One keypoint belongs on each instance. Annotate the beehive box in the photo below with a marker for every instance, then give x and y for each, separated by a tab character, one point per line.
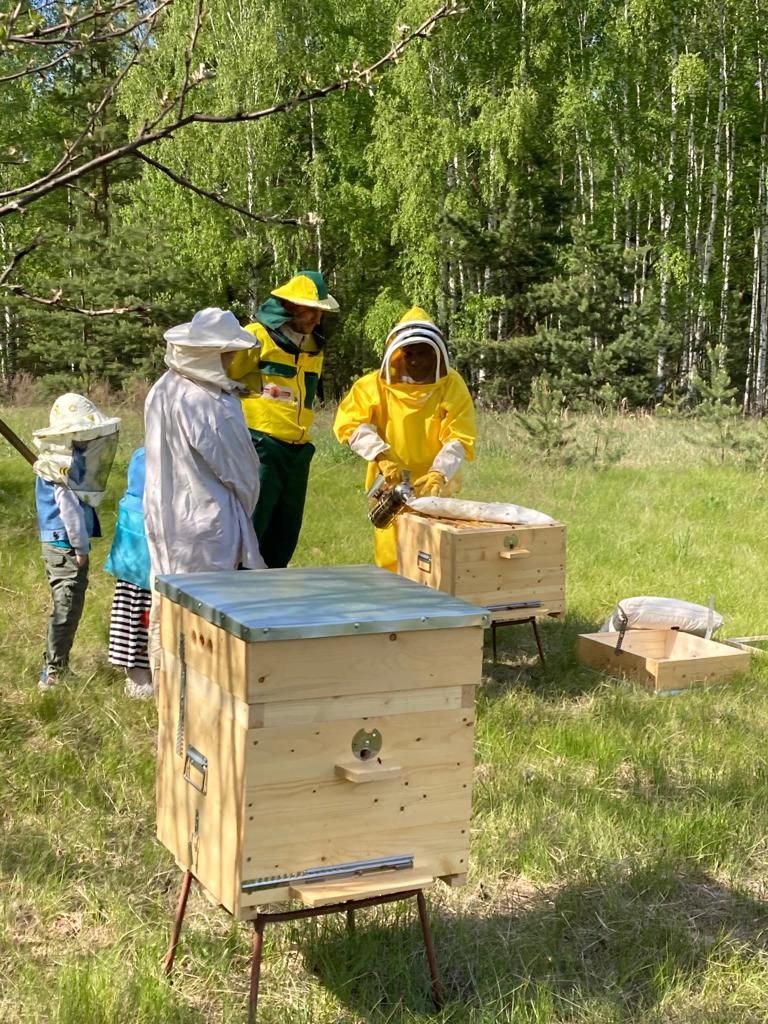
662	660
486	564
310	719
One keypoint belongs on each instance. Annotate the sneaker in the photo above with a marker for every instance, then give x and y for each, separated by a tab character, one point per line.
139	691
49	678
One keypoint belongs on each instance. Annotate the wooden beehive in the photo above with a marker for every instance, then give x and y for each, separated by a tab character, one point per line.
513	571
662	660
268	681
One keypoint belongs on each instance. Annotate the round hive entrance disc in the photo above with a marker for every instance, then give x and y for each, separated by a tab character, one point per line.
366	745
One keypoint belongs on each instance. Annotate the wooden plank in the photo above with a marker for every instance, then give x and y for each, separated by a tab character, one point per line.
536	539
521	614
512	568
652	643
278	806
271	831
317	894
375	663
309	752
218	812
361	773
396	702
686	645
210	650
454	881
679	674
592	651
425	552
440	850
219	702
552	599
440	864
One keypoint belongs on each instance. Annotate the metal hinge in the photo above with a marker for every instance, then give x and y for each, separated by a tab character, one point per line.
182	696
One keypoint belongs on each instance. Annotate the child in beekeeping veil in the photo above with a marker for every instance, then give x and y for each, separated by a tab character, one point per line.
75	454
413	413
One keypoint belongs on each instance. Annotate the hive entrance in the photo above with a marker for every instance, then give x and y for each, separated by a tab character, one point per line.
366	745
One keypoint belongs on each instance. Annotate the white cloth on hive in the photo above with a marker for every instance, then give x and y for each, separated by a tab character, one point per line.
480	511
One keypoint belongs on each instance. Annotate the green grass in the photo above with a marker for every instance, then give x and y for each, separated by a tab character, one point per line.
620	841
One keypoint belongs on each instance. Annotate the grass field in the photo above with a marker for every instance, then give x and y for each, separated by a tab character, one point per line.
620	841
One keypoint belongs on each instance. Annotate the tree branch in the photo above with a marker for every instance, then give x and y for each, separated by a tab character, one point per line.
33	192
65	159
262	218
36	69
56	302
40	35
17	257
187	85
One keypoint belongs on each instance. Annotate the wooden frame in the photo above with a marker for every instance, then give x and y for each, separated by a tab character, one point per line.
662	660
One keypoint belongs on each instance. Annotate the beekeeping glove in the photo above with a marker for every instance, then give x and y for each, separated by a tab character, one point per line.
430	485
390	468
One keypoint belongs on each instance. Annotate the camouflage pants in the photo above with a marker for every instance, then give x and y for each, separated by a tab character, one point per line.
68	582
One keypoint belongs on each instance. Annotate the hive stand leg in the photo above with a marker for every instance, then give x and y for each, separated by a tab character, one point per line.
350	919
538	641
258	946
180	911
437	989
493	638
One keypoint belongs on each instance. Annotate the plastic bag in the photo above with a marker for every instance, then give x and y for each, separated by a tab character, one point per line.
480	511
661	613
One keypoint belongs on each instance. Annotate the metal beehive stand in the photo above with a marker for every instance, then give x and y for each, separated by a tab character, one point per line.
347	907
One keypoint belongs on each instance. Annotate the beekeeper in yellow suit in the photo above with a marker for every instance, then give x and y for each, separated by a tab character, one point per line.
413	413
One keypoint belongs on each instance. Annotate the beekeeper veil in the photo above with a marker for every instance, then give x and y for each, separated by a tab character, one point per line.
78	447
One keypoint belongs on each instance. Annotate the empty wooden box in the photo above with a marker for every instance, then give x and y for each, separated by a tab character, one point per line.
663	660
513	571
315	733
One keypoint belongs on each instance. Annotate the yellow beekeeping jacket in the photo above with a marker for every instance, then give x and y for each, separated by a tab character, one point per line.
282	385
415	420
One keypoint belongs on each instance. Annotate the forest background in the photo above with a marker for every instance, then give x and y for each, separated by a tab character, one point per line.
576	190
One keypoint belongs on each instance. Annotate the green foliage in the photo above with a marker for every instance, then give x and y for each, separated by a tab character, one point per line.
553	171
544	423
715	403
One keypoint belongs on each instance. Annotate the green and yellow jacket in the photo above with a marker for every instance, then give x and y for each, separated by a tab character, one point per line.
282	382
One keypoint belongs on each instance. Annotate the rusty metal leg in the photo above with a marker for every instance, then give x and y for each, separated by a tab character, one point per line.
493	637
538	641
437	989
350	919
180	910
258	946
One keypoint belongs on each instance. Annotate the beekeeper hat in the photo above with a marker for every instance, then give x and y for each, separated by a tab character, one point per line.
212	328
307	288
73	414
415	328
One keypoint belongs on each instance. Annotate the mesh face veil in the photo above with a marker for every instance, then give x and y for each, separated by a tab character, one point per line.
78	448
414	332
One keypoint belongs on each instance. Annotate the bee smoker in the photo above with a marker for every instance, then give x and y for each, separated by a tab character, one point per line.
389	501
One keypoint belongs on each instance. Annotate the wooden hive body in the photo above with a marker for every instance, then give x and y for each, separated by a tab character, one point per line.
662	660
486	564
276	718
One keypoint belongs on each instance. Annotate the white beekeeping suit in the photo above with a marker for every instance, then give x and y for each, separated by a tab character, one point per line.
202	472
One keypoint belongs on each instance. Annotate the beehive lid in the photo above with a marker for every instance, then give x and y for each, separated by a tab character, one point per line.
289	604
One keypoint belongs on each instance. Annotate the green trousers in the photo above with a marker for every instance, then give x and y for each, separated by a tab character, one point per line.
68	582
283	476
